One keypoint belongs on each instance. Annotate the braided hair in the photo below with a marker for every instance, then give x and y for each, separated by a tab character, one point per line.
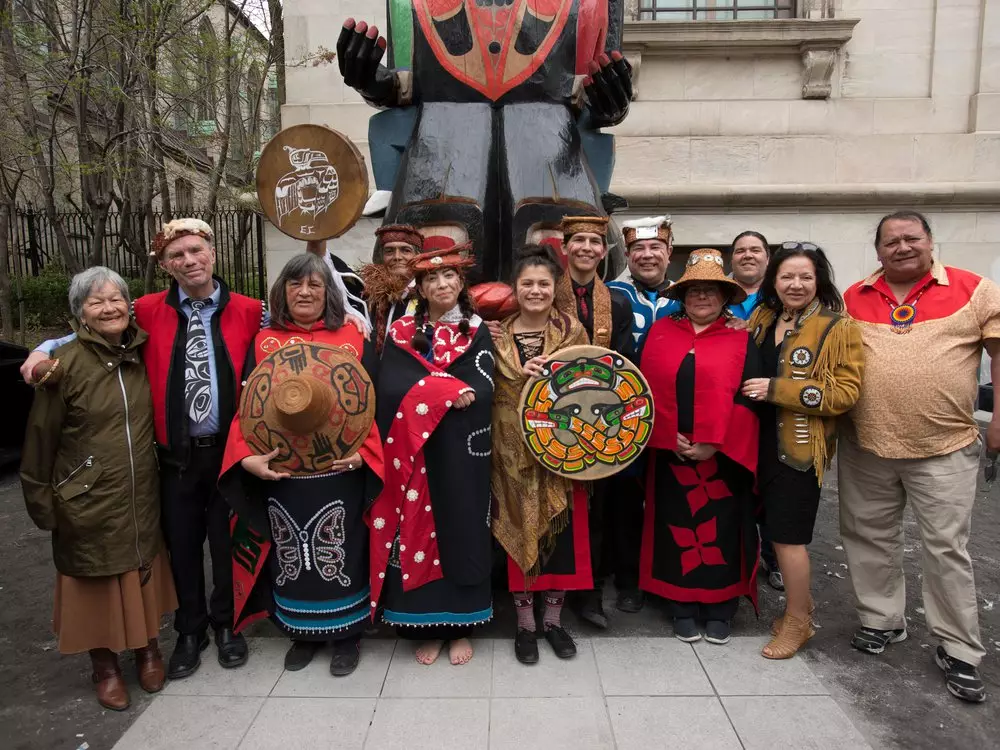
421	341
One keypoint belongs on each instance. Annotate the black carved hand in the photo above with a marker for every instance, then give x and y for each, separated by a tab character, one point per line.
609	88
359	52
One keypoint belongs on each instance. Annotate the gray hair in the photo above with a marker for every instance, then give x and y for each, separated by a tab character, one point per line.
300	267
85	282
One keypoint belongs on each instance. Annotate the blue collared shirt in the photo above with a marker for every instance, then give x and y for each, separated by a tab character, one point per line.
743	309
210	425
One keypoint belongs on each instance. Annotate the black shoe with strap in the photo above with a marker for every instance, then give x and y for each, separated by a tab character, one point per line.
233	650
526	646
186	658
301	654
962	679
874	641
346	656
561	641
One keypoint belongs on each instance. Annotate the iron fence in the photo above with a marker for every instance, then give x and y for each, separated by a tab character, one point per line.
239	244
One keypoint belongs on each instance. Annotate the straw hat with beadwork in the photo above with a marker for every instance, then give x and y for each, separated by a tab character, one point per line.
571	225
457	257
703	266
314	402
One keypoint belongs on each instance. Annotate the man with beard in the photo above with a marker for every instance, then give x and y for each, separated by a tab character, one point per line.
750	255
607	316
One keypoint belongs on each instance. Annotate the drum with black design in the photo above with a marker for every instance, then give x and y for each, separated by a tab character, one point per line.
314	402
588	415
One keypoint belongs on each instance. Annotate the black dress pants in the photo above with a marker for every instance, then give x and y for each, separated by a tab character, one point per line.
624	516
725	611
193	509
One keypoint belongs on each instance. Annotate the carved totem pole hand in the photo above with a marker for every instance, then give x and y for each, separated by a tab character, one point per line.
359	52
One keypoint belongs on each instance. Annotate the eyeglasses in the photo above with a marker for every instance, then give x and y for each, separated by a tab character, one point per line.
799	246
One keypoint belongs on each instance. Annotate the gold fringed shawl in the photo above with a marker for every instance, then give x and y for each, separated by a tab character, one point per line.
532	503
566	301
819	378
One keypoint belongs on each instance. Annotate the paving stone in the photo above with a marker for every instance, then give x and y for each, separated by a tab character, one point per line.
802	722
257	677
551	677
738	669
650	666
643	723
550	723
315	681
409	679
311	723
430	724
206	723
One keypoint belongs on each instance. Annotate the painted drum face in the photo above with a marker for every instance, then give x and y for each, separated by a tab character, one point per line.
588	415
314	402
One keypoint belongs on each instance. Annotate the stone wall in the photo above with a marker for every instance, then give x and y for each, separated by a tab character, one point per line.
722	138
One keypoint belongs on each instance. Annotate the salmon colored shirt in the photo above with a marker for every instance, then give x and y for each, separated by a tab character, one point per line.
919	388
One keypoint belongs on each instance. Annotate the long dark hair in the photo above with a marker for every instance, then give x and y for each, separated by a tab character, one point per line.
905	215
826	290
535	255
296	269
420	341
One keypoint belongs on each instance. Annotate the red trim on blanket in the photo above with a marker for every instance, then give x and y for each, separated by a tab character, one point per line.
582	579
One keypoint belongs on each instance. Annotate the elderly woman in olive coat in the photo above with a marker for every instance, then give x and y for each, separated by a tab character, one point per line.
89	476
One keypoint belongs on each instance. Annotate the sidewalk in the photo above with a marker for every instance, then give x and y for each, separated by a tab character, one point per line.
627	693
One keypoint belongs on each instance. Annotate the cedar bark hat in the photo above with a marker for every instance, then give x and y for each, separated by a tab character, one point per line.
177	228
648	228
399	233
706	265
571	225
313	402
456	256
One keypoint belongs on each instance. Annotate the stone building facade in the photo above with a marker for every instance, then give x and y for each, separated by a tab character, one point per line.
805	128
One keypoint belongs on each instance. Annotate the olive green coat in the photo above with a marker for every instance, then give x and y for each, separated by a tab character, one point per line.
88	468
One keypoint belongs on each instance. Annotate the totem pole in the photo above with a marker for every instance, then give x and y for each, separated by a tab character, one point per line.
502	101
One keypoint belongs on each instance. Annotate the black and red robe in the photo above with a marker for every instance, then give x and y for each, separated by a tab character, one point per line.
699	542
300	545
430	527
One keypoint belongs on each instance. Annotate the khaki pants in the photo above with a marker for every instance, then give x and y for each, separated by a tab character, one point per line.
941	490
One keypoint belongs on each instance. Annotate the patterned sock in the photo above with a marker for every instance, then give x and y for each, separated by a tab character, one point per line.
553	609
524	603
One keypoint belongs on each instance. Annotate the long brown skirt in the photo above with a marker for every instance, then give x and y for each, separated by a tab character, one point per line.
115	612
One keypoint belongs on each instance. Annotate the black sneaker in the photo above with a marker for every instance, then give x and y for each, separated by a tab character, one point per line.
962	679
718	632
526	646
346	655
873	641
300	654
562	642
686	629
629	600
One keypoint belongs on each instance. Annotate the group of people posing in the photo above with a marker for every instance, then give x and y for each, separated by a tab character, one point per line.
135	454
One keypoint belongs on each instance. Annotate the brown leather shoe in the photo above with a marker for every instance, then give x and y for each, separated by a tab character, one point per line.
111	690
149	665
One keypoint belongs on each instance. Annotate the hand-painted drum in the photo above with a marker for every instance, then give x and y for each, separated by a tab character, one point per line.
312	182
588	415
313	402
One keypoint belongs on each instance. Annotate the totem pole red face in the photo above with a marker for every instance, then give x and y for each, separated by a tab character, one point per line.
492	48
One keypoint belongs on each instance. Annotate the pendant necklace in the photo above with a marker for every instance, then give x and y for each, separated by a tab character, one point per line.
902	316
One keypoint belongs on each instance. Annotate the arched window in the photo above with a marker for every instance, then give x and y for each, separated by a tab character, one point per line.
714	10
207	102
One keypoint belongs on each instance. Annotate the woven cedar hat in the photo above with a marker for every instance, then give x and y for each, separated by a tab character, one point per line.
177	228
399	233
571	225
456	256
706	265
314	402
649	228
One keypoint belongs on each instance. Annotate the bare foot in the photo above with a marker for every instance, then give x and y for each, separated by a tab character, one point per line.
460	651
427	652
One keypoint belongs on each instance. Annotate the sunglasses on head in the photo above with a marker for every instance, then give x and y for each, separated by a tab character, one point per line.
799	246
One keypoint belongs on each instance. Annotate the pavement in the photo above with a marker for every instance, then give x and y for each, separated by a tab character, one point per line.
625	693
631	684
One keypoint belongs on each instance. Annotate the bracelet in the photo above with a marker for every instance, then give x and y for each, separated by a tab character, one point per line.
48	374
